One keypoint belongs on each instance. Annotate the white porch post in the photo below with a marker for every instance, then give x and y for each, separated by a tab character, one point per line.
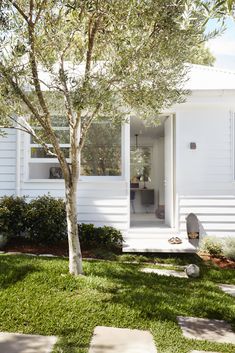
126	162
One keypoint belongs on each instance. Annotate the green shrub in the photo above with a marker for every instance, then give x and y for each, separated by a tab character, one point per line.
13	212
212	245
229	248
43	221
99	237
46	220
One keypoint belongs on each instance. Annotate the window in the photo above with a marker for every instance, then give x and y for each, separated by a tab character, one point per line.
101	154
41	164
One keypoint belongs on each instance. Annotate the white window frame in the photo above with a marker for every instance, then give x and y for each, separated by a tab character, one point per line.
87	178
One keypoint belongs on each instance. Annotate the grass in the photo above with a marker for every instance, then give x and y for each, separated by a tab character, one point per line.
38	296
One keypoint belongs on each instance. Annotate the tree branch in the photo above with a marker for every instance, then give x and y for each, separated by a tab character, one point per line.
26	127
68	102
33	64
87	126
40	11
92	30
18	8
21	94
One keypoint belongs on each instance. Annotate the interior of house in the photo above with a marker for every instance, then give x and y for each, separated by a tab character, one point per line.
147	190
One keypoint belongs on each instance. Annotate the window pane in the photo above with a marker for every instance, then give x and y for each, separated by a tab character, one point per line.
59	121
56	121
63	136
38	152
101	154
45	170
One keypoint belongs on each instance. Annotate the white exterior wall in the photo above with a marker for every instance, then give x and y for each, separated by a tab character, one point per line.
8	163
204	177
101	200
204	180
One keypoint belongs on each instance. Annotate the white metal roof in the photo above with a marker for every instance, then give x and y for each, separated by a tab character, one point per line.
209	78
200	77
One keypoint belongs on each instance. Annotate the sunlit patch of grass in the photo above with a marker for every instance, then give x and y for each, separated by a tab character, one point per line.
39	296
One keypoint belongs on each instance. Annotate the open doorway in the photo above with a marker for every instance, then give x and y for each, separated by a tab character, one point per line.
151	173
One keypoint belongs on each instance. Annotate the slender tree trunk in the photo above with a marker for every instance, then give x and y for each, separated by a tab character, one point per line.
75	255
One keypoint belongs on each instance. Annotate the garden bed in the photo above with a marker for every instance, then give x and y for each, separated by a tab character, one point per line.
22	245
221	261
61	249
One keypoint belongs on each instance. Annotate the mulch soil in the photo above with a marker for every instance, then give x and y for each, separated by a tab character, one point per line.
24	246
222	262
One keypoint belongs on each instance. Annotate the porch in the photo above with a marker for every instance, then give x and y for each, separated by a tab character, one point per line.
155	240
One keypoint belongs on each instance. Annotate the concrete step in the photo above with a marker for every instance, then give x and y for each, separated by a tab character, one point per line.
159	245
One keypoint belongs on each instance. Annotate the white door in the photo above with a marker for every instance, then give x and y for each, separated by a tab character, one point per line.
169	180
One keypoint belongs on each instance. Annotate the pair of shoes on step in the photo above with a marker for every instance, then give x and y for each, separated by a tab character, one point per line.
175	240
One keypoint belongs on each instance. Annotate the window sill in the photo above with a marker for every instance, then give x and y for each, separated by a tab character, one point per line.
100	179
44	181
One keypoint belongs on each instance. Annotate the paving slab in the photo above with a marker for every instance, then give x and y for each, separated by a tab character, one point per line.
181	267
164	272
228	288
19	343
47	255
218	331
119	340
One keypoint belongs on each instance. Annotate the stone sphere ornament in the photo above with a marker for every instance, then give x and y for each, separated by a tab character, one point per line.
192	271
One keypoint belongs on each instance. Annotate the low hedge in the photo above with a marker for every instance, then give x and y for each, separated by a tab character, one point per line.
99	237
43	221
13	214
46	220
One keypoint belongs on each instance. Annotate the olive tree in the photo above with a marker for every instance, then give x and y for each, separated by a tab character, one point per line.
91	59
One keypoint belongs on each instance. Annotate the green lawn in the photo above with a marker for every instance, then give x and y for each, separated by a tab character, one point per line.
39	297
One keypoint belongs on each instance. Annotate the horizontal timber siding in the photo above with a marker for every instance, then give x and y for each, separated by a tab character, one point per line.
216	214
204	176
8	163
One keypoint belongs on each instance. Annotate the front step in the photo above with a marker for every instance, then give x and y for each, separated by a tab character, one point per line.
158	246
156	240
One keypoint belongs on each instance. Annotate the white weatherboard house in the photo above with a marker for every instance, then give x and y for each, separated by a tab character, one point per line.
187	165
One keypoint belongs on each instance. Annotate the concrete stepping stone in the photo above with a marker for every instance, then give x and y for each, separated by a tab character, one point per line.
121	340
47	255
19	343
164	272
218	331
228	288
181	267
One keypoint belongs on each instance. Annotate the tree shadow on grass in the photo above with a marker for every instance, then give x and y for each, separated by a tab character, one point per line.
165	298
13	270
